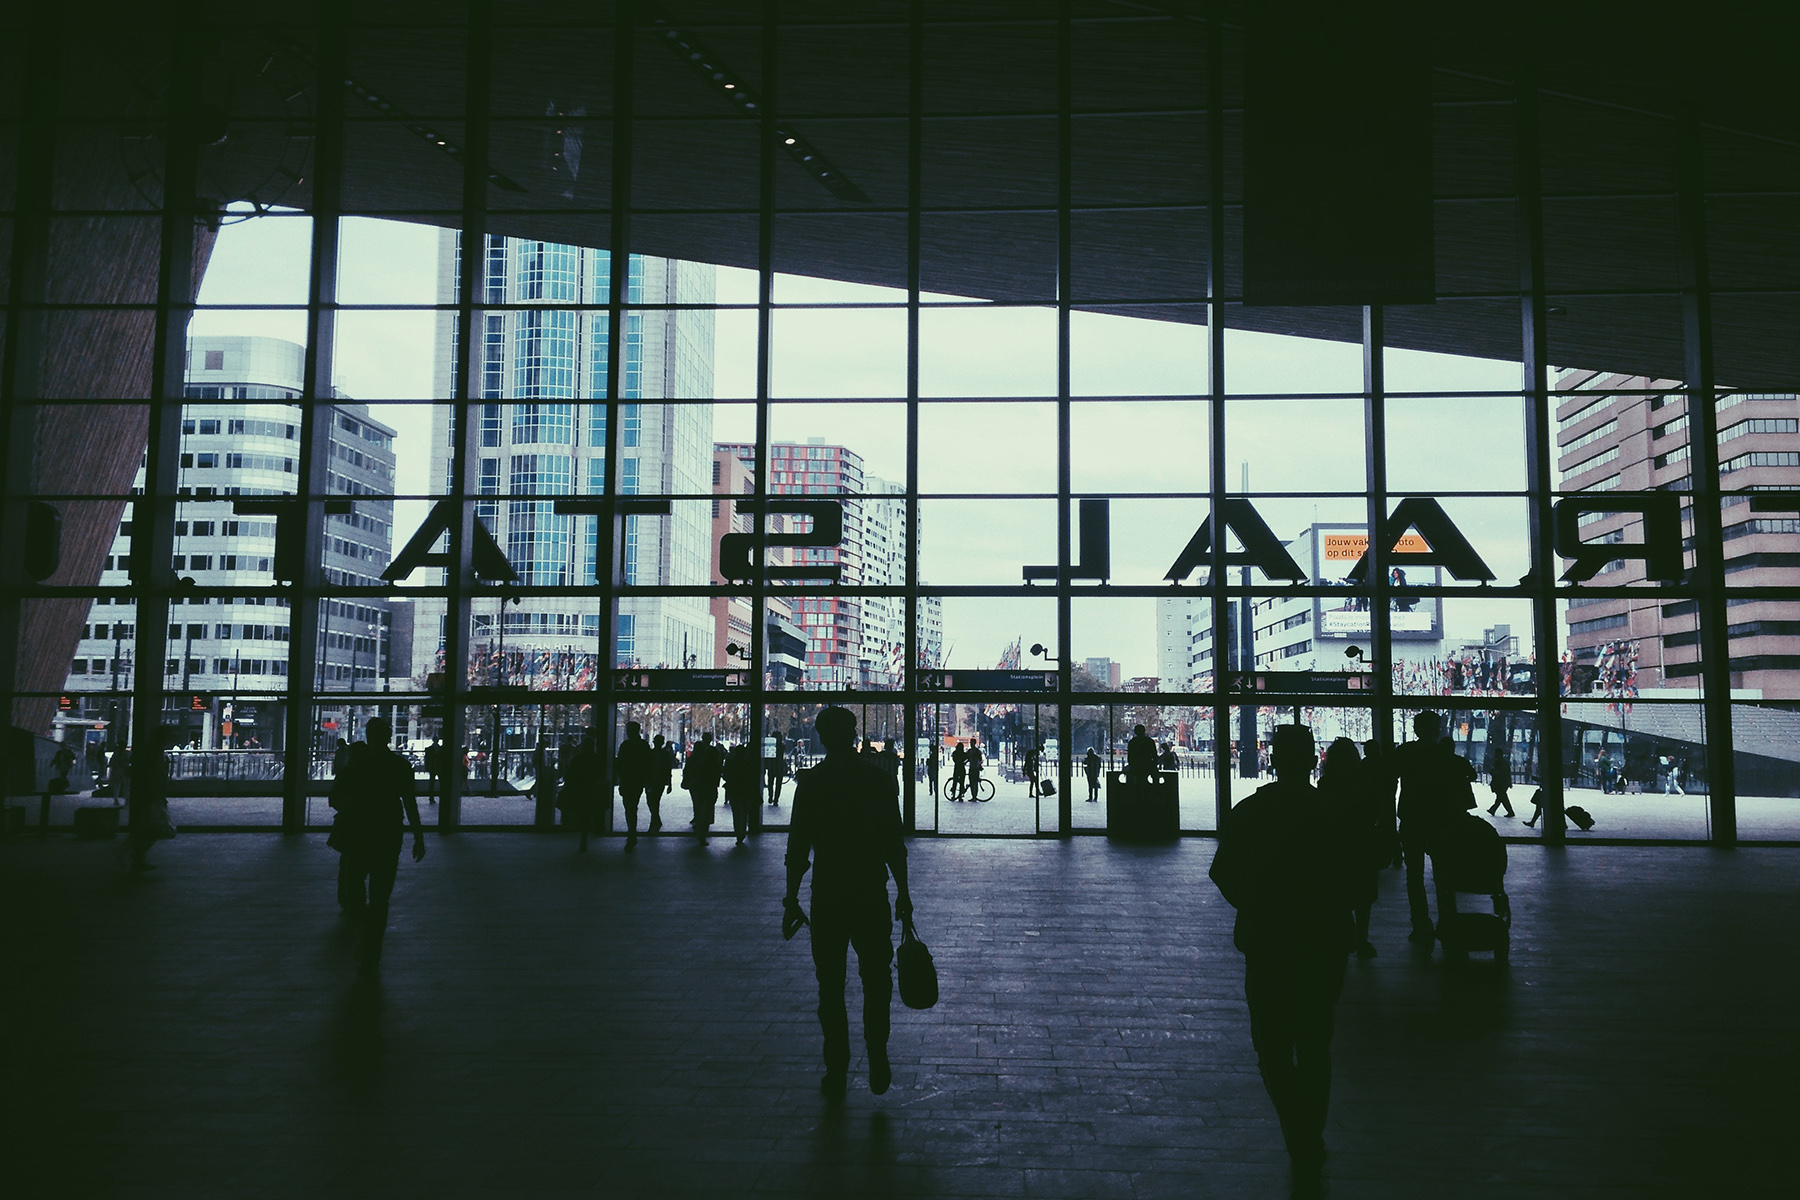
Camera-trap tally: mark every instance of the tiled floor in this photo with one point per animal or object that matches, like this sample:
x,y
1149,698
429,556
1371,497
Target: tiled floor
x,y
553,1025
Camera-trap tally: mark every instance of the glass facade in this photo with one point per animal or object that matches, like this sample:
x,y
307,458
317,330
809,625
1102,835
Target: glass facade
x,y
944,377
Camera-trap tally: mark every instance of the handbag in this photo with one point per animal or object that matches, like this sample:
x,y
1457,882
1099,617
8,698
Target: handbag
x,y
918,974
1047,788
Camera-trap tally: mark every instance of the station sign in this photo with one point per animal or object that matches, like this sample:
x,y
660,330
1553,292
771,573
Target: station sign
x,y
987,681
680,680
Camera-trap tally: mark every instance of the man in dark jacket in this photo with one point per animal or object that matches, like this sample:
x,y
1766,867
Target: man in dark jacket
x,y
705,768
1433,782
847,820
633,766
583,788
1140,757
1288,862
378,790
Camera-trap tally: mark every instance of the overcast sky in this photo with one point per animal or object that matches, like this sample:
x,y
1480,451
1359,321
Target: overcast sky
x,y
1309,446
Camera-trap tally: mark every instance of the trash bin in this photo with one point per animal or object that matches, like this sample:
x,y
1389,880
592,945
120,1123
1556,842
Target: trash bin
x,y
1143,812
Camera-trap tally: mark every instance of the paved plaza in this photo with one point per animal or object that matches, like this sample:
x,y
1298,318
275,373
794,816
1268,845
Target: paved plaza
x,y
550,1024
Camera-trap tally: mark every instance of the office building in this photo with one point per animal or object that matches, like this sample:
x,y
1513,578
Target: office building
x,y
538,374
228,656
853,641
1631,433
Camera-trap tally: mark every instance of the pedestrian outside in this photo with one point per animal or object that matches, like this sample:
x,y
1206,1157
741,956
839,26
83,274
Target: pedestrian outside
x,y
1140,758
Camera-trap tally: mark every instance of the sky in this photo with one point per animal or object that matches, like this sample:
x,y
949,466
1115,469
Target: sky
x,y
1301,445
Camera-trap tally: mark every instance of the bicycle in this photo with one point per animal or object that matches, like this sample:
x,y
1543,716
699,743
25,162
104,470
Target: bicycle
x,y
984,790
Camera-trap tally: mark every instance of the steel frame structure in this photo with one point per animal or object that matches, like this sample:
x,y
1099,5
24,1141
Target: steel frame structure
x,y
155,588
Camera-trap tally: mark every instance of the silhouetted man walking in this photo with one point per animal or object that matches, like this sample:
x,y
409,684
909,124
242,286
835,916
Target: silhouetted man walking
x,y
847,819
1287,862
634,766
662,778
1432,778
379,791
434,769
705,768
583,783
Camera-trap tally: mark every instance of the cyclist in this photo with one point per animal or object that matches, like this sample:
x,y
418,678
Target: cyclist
x,y
959,771
974,769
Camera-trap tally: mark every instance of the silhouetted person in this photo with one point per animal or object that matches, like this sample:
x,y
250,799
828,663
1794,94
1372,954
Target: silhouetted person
x,y
1091,764
350,890
149,800
543,780
379,792
1345,782
975,763
934,765
633,766
1538,804
847,819
662,779
775,772
1500,778
1424,802
118,773
959,772
584,782
61,763
1032,758
1140,757
741,781
434,769
705,767
1286,863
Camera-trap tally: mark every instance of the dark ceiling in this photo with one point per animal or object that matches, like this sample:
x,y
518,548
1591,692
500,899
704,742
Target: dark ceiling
x,y
1609,91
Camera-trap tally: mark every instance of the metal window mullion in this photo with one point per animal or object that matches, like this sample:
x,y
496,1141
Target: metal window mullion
x,y
765,290
21,357
1065,675
459,576
153,514
915,150
314,454
1215,370
1381,639
1703,437
1540,452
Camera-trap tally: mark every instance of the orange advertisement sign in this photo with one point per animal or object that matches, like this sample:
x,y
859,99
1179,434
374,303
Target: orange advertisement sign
x,y
1348,547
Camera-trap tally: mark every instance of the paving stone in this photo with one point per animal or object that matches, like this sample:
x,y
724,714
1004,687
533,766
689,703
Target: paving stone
x,y
549,1024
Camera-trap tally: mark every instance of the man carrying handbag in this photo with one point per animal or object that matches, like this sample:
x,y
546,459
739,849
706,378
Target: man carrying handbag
x,y
846,828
